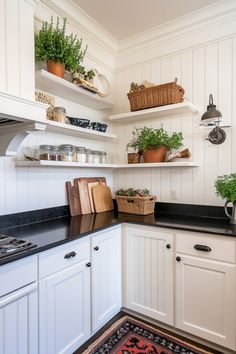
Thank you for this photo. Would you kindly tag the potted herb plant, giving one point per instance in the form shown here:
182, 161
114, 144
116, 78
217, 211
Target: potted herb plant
60, 51
226, 189
154, 143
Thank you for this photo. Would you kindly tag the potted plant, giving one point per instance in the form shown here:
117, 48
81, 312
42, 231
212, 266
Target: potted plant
89, 75
60, 51
226, 189
154, 143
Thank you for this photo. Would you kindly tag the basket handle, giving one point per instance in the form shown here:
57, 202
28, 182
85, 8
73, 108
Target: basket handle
179, 87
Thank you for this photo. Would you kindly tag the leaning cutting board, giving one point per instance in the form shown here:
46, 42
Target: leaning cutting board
102, 198
73, 199
86, 199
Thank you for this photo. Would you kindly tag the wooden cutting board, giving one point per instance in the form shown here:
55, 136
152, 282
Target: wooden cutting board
102, 198
73, 199
84, 185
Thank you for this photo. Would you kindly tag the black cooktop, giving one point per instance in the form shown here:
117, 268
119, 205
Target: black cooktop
10, 246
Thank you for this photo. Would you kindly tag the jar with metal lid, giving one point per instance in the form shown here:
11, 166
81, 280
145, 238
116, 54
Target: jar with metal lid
89, 155
66, 152
103, 157
96, 156
45, 152
56, 153
80, 152
59, 114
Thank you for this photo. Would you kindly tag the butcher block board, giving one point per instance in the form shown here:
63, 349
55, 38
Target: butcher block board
86, 199
102, 198
73, 199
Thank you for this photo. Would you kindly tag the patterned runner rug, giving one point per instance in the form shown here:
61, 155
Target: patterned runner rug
130, 336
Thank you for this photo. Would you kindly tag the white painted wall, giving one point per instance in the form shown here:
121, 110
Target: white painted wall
202, 67
203, 59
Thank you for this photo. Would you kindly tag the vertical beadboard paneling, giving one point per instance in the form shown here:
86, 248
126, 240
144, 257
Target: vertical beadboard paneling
225, 102
211, 150
202, 70
2, 46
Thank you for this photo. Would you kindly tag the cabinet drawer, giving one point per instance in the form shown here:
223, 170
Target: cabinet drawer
214, 247
64, 256
18, 274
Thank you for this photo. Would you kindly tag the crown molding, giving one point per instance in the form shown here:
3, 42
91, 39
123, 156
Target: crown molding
204, 25
92, 33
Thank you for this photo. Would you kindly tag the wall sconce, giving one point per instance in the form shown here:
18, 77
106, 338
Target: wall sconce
211, 118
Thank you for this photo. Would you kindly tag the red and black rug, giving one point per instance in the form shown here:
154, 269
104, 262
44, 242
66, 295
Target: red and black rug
129, 336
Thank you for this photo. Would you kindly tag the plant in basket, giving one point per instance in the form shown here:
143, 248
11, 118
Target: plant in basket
135, 201
155, 143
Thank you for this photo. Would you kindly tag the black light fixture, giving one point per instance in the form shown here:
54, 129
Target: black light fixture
211, 118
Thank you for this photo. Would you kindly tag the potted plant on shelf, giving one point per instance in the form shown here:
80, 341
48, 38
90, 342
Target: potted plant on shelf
60, 51
155, 143
226, 189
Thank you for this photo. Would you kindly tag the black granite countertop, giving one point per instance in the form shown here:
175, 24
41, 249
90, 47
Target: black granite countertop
51, 233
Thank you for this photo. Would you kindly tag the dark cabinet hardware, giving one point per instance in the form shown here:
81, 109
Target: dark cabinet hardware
168, 246
96, 248
70, 255
88, 265
178, 259
202, 248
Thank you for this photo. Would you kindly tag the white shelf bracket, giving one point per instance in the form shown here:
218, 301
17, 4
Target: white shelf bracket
12, 136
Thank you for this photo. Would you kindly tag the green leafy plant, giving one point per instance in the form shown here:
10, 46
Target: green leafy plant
226, 187
90, 74
52, 43
149, 138
131, 192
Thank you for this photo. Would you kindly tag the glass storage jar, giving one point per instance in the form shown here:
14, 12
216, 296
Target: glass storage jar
96, 156
66, 152
56, 153
45, 152
89, 155
103, 157
80, 154
59, 114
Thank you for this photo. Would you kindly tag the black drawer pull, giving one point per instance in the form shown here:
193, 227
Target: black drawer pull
178, 258
202, 248
88, 264
70, 255
96, 248
168, 246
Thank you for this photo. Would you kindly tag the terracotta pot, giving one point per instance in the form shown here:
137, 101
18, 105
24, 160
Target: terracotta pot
155, 155
56, 68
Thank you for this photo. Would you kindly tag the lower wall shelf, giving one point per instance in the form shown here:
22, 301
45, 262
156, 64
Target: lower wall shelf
44, 163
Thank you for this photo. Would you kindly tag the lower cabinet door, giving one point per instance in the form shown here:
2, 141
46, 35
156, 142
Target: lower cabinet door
64, 310
205, 299
19, 321
148, 272
106, 276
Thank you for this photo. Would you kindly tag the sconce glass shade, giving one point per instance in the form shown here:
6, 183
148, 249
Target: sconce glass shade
211, 114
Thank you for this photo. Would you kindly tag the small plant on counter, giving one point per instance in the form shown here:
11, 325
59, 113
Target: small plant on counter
58, 50
226, 187
154, 143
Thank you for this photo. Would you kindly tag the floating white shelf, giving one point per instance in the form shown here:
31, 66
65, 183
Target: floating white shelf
60, 87
157, 112
44, 163
71, 130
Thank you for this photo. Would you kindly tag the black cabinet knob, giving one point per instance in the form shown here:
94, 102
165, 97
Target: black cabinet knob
70, 255
88, 265
178, 259
168, 246
96, 248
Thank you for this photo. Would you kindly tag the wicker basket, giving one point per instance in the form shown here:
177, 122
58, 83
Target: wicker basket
155, 96
134, 157
136, 205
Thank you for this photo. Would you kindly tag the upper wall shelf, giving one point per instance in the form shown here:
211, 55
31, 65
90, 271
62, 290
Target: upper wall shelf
60, 87
157, 112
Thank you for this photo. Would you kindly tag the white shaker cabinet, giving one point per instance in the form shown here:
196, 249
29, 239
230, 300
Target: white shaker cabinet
205, 287
148, 272
64, 297
19, 307
106, 276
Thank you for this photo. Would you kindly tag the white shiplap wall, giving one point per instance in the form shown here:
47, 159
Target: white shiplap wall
201, 70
